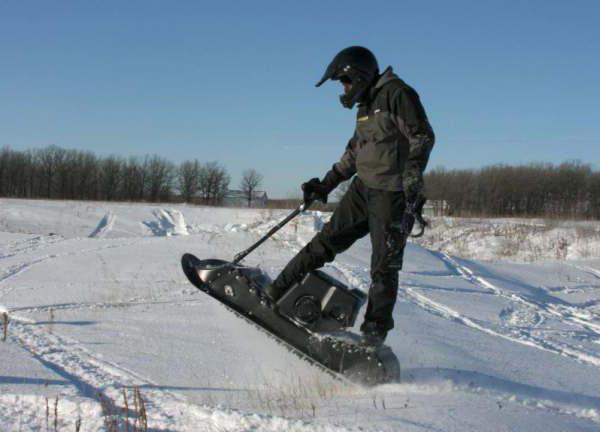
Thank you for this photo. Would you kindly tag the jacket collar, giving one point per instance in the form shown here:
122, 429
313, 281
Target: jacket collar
387, 76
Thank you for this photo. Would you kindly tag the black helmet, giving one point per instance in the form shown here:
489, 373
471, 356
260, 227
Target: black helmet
356, 64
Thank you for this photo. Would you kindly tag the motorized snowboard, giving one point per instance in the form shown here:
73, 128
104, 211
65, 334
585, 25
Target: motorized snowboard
310, 318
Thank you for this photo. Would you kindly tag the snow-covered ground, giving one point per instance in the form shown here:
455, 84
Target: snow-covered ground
98, 306
517, 240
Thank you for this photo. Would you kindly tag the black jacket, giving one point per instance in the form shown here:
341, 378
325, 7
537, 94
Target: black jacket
392, 141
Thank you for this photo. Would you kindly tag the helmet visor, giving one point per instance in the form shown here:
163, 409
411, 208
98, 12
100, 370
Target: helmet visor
330, 73
322, 80
345, 79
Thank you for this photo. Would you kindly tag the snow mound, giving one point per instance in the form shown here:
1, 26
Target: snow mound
105, 225
168, 223
236, 227
301, 229
517, 240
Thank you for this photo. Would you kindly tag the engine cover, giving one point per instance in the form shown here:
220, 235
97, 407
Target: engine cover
321, 303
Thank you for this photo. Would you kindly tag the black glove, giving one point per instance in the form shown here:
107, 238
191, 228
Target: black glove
412, 192
414, 213
314, 189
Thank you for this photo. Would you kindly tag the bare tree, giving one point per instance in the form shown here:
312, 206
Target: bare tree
49, 160
188, 177
160, 178
88, 176
130, 186
5, 156
111, 172
251, 180
537, 189
213, 182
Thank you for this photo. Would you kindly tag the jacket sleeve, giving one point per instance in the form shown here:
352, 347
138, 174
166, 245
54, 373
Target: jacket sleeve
413, 123
345, 168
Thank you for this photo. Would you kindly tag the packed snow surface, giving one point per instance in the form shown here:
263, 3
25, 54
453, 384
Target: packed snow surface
102, 326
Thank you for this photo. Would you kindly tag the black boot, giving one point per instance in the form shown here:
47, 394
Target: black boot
373, 335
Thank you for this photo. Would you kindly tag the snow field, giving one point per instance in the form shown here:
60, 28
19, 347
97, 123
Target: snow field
516, 346
518, 240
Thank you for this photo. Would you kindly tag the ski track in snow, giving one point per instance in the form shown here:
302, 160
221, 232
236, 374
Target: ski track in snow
360, 278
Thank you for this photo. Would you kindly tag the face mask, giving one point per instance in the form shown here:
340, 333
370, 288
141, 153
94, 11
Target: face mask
359, 86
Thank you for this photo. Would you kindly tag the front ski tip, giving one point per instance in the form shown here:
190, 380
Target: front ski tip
190, 265
202, 272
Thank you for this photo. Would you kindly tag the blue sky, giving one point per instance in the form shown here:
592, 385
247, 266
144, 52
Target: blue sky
502, 81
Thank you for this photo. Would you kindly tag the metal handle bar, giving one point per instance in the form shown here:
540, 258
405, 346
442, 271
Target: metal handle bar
240, 256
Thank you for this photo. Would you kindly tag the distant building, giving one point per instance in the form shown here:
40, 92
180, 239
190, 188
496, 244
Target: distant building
238, 198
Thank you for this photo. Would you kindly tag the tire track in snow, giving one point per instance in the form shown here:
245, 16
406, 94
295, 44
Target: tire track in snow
439, 309
83, 369
92, 374
166, 410
524, 338
30, 244
17, 269
587, 269
104, 305
566, 313
584, 410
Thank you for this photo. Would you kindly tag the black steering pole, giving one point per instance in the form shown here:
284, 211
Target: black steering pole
304, 206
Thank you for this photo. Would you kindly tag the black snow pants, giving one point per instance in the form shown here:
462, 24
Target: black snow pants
361, 211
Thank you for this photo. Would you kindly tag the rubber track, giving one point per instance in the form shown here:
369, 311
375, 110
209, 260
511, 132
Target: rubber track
291, 348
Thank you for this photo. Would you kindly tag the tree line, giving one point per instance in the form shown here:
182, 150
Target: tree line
58, 173
570, 189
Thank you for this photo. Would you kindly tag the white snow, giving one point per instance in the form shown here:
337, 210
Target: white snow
168, 223
518, 240
105, 225
97, 304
